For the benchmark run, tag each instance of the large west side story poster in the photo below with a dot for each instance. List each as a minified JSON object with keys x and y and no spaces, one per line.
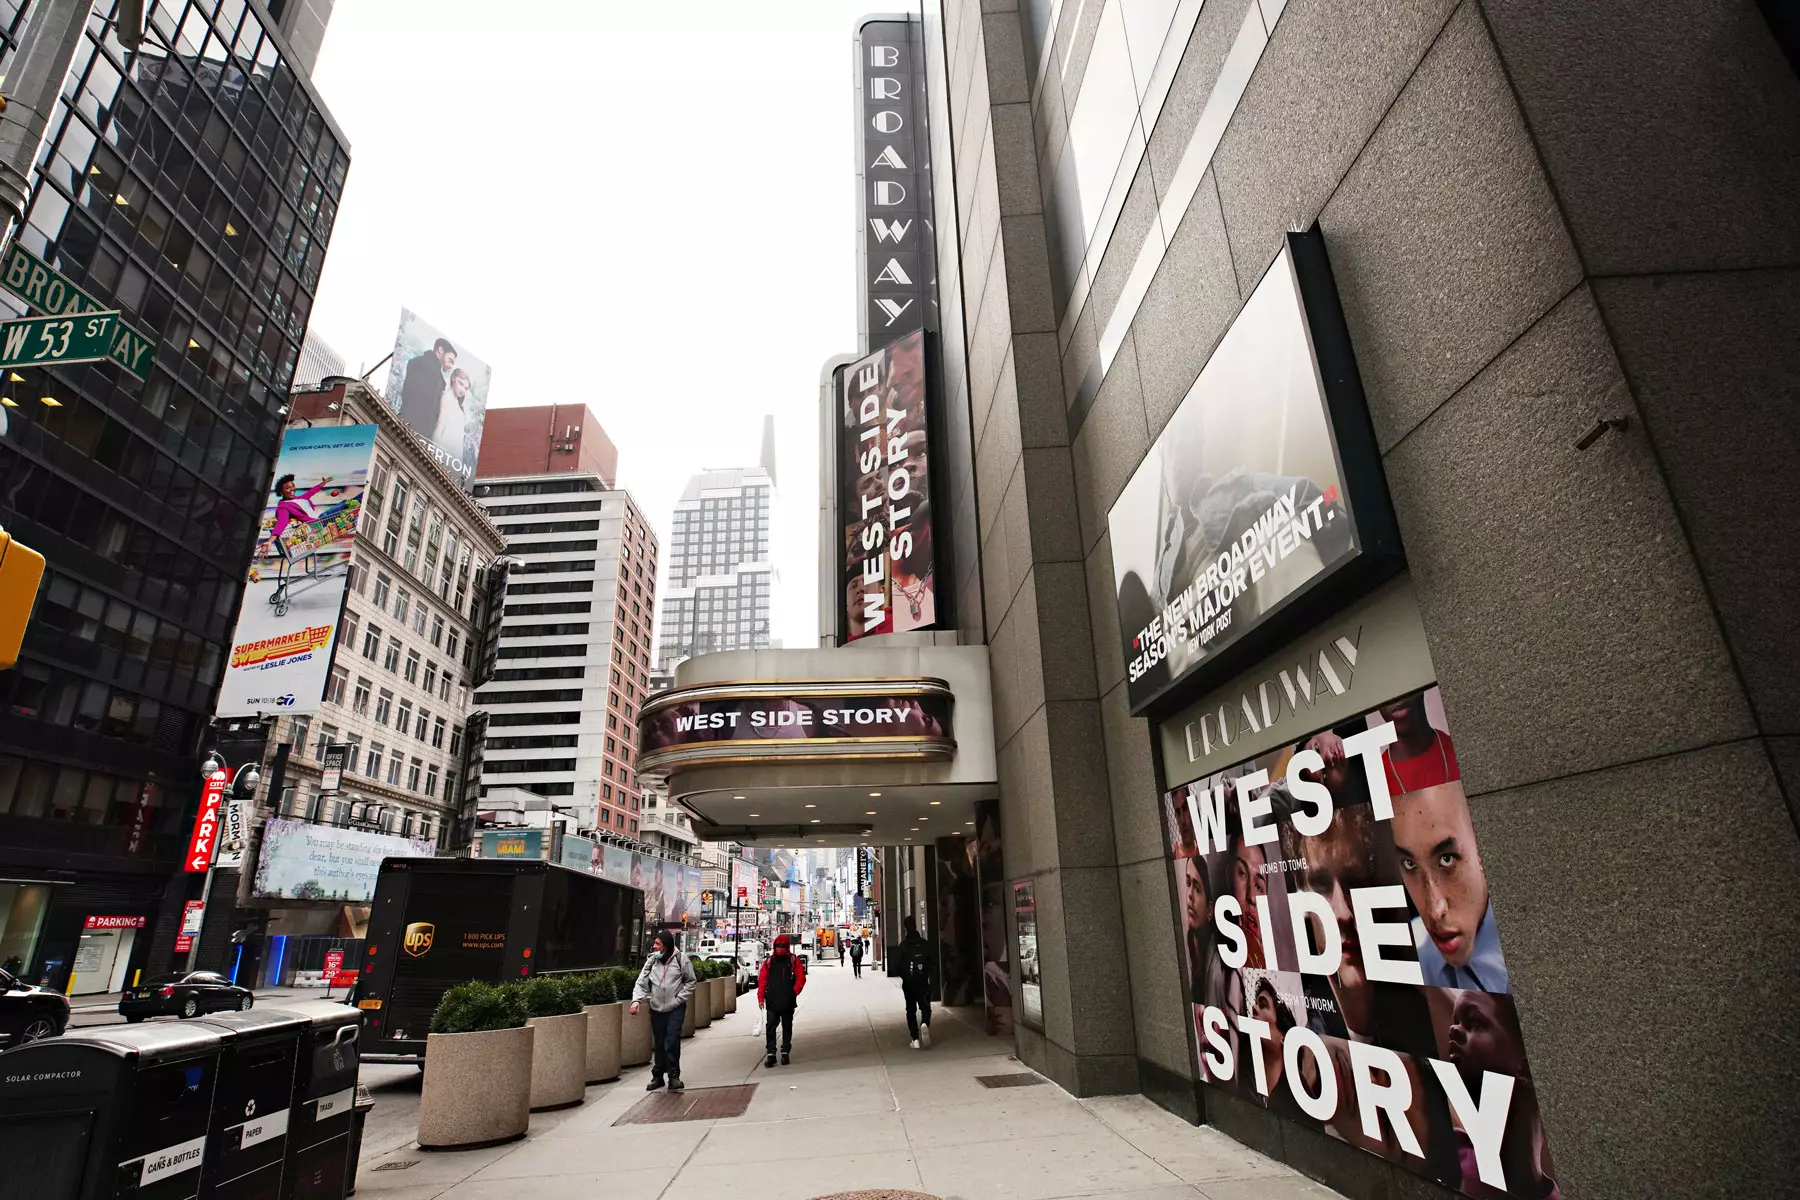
{"x":884,"y":493}
{"x":1340,"y":952}
{"x":288,"y":622}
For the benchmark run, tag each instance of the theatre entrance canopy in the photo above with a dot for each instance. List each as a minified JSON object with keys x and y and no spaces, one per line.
{"x":827,"y":747}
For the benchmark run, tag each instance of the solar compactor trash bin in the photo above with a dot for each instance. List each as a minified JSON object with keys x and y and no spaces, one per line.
{"x":253,"y":1103}
{"x":120,"y":1111}
{"x":321,"y":1158}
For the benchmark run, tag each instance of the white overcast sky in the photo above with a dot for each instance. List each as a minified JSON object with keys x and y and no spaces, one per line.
{"x":646,"y":208}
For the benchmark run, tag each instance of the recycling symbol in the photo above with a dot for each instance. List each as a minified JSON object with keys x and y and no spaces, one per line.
{"x":250,"y":1109}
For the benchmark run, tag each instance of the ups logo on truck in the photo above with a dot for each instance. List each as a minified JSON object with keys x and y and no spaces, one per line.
{"x":418,"y":938}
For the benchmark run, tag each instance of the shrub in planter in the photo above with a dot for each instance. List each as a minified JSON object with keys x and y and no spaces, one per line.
{"x":634,"y":1032}
{"x":475,"y":1006}
{"x":559,"y":1058}
{"x":478,"y":1059}
{"x":598,"y":994}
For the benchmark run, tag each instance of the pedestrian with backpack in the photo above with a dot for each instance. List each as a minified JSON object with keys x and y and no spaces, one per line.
{"x":778,"y":988}
{"x":913,"y":957}
{"x":856,"y":953}
{"x":665,"y":983}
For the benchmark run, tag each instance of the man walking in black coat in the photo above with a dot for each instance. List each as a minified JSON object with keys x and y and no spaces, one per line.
{"x":913,"y":957}
{"x":422,"y":393}
{"x":856,"y":953}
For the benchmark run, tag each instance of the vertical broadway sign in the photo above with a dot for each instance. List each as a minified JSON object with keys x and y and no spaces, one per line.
{"x":893,"y":148}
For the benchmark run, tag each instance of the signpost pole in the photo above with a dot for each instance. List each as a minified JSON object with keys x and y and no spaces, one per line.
{"x":193,"y":954}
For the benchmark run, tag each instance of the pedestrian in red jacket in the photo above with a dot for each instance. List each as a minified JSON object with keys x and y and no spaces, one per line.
{"x":778,"y":988}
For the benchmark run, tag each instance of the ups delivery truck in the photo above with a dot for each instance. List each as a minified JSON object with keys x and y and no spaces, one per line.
{"x":438,"y":922}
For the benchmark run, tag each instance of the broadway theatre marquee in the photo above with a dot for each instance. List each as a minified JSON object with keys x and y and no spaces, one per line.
{"x":837,"y":746}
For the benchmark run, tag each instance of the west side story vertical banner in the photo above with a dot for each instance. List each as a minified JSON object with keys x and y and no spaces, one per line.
{"x":1342,"y":959}
{"x":440,"y":389}
{"x":884,"y":492}
{"x":281,"y":649}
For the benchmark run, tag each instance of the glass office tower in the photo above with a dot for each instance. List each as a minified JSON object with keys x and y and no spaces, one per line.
{"x":192,"y":184}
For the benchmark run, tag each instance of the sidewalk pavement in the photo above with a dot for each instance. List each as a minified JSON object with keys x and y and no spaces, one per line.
{"x":857,"y":1109}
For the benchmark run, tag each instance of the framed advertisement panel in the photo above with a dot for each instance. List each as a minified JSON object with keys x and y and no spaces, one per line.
{"x":1263,"y":491}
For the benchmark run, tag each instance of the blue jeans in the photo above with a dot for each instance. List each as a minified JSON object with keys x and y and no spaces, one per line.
{"x":665,"y":1041}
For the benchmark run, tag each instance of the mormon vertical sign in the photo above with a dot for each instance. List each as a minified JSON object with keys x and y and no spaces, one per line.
{"x":892,"y":149}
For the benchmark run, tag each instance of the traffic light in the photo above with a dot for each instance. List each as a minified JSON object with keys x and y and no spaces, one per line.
{"x":21,"y":569}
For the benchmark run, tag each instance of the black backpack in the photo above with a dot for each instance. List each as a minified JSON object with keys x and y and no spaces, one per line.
{"x":916,"y":970}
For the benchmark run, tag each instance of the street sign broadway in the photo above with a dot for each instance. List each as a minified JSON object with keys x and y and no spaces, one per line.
{"x":44,"y":341}
{"x":39,"y":284}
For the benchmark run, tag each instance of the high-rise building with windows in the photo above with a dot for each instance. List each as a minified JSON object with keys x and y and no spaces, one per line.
{"x":192,"y":183}
{"x":721,"y":571}
{"x":574,"y":651}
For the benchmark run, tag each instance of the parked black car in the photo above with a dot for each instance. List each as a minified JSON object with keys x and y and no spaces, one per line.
{"x":185,"y":995}
{"x":29,"y":1012}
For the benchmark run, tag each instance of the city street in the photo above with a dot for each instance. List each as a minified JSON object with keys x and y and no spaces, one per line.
{"x":856,"y":1109}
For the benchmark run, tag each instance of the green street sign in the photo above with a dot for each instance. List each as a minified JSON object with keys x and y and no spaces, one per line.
{"x":39,"y":284}
{"x":44,"y":341}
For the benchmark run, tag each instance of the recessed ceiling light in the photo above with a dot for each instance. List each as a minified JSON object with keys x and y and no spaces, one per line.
{"x":968,"y":822}
{"x":737,"y":797}
{"x":924,"y":818}
{"x":759,"y":814}
{"x":52,"y":401}
{"x":906,"y":839}
{"x":815,"y":820}
{"x":935,"y":803}
{"x":16,"y":377}
{"x":872,"y":795}
{"x":870,"y":813}
{"x":812,"y":806}
{"x":915,"y":829}
{"x":9,"y":401}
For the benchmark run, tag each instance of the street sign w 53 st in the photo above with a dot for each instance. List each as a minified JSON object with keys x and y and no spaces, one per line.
{"x":40,"y":341}
{"x":21,"y":568}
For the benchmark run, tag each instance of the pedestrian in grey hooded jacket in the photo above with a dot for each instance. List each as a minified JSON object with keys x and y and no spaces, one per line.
{"x":666,"y":981}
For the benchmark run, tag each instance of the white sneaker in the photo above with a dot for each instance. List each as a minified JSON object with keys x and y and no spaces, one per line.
{"x":925,"y":1036}
{"x":914,"y":1043}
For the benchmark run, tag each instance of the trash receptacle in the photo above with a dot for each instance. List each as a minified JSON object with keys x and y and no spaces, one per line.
{"x":360,"y":1117}
{"x":112,"y":1112}
{"x":252,"y":1104}
{"x":321,"y":1154}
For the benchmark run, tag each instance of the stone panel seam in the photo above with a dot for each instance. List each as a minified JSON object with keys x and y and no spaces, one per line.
{"x":1495,"y":357}
{"x":1761,"y":741}
{"x":1708,"y":591}
{"x":1355,"y":159}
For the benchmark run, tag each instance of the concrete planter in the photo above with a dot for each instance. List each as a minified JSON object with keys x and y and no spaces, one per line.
{"x":559,"y":1061}
{"x":603,"y":1041}
{"x":730,"y":993}
{"x":724,"y":995}
{"x":701,"y":1004}
{"x":634,"y":1037}
{"x":689,"y":1020}
{"x":477,"y":1088}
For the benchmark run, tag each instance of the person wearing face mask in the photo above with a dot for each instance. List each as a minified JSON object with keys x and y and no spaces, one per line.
{"x":665,"y":983}
{"x":778,"y":988}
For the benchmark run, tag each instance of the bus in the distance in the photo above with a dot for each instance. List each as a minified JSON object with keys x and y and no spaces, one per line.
{"x":438,"y":922}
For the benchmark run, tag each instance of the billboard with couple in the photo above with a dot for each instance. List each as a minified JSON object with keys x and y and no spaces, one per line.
{"x":440,"y":389}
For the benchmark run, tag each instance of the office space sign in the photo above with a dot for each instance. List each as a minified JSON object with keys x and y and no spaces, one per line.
{"x":884,"y":493}
{"x":893,"y":149}
{"x":1264,"y":484}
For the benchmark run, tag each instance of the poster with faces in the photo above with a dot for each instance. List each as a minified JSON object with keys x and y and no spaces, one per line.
{"x":1341,"y":957}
